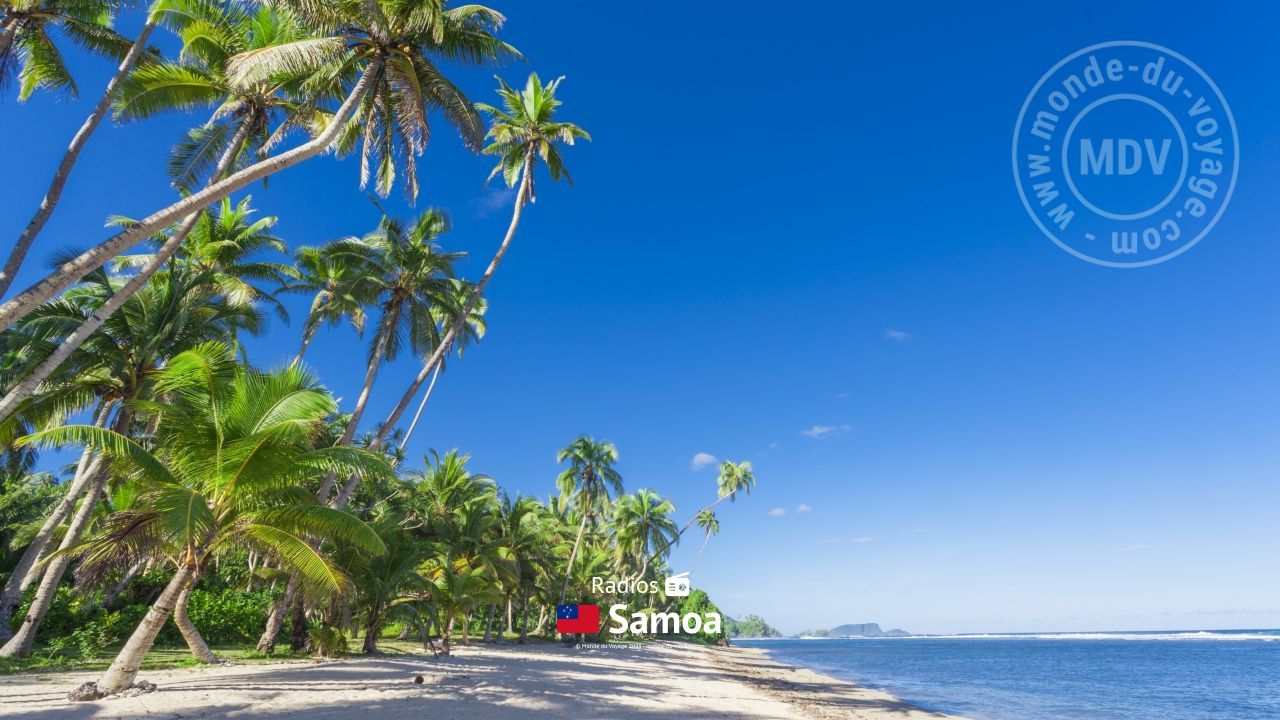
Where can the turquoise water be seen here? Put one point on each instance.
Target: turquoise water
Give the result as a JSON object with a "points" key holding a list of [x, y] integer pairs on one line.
{"points": [[1210, 675]]}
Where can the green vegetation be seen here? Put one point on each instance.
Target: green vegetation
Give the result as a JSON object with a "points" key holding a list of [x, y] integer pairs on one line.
{"points": [[752, 626], [219, 505]]}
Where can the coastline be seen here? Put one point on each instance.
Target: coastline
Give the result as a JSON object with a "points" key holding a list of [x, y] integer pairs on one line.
{"points": [[636, 682], [815, 694]]}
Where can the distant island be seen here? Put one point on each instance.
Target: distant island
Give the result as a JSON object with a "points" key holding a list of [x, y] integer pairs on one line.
{"points": [[854, 630]]}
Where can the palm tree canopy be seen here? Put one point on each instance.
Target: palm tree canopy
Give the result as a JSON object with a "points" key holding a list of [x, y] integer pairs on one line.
{"points": [[409, 37], [235, 450], [33, 52], [212, 32], [525, 130], [226, 244], [735, 478], [708, 522], [591, 479], [414, 277], [642, 523], [177, 310]]}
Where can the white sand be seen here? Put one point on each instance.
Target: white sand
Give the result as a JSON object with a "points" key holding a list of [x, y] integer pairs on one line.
{"points": [[480, 682]]}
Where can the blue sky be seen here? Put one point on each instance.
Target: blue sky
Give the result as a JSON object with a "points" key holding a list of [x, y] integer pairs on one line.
{"points": [[796, 240]]}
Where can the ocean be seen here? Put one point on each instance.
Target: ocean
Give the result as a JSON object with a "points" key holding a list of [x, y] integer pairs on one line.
{"points": [[1207, 675]]}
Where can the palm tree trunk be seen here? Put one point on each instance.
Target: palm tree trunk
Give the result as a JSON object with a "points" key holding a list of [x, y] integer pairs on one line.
{"points": [[308, 334], [190, 633], [488, 628], [522, 195], [72, 342], [275, 619], [511, 628], [20, 644], [124, 668], [446, 637], [524, 617], [69, 158], [389, 320], [27, 570], [95, 257], [116, 590], [542, 621], [422, 405], [573, 555], [698, 559], [687, 525], [299, 638], [372, 627], [8, 33]]}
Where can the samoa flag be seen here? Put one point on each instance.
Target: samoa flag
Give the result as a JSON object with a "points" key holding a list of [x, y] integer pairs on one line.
{"points": [[577, 619]]}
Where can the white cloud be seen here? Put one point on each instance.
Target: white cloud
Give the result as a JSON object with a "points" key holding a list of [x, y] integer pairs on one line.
{"points": [[819, 432], [896, 335], [702, 459], [862, 540], [493, 199], [777, 512], [803, 508]]}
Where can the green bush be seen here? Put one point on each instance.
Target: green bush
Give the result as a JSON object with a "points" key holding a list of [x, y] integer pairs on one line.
{"points": [[78, 623], [230, 616]]}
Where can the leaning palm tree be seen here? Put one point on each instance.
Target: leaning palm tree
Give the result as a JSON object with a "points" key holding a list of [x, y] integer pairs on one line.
{"points": [[413, 279], [226, 245], [710, 526], [233, 446], [733, 478], [88, 24], [589, 483], [175, 312], [216, 34], [385, 48], [472, 331], [340, 278], [522, 133]]}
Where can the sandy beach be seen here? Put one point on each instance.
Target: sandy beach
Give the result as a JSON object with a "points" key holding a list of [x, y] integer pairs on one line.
{"points": [[481, 682]]}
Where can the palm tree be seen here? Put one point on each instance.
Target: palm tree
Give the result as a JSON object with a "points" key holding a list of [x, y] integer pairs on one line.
{"points": [[86, 22], [589, 482], [384, 581], [385, 46], [710, 526], [641, 523], [413, 280], [521, 135], [174, 313], [233, 445], [151, 90], [27, 46], [732, 479], [340, 276], [473, 330], [225, 243]]}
